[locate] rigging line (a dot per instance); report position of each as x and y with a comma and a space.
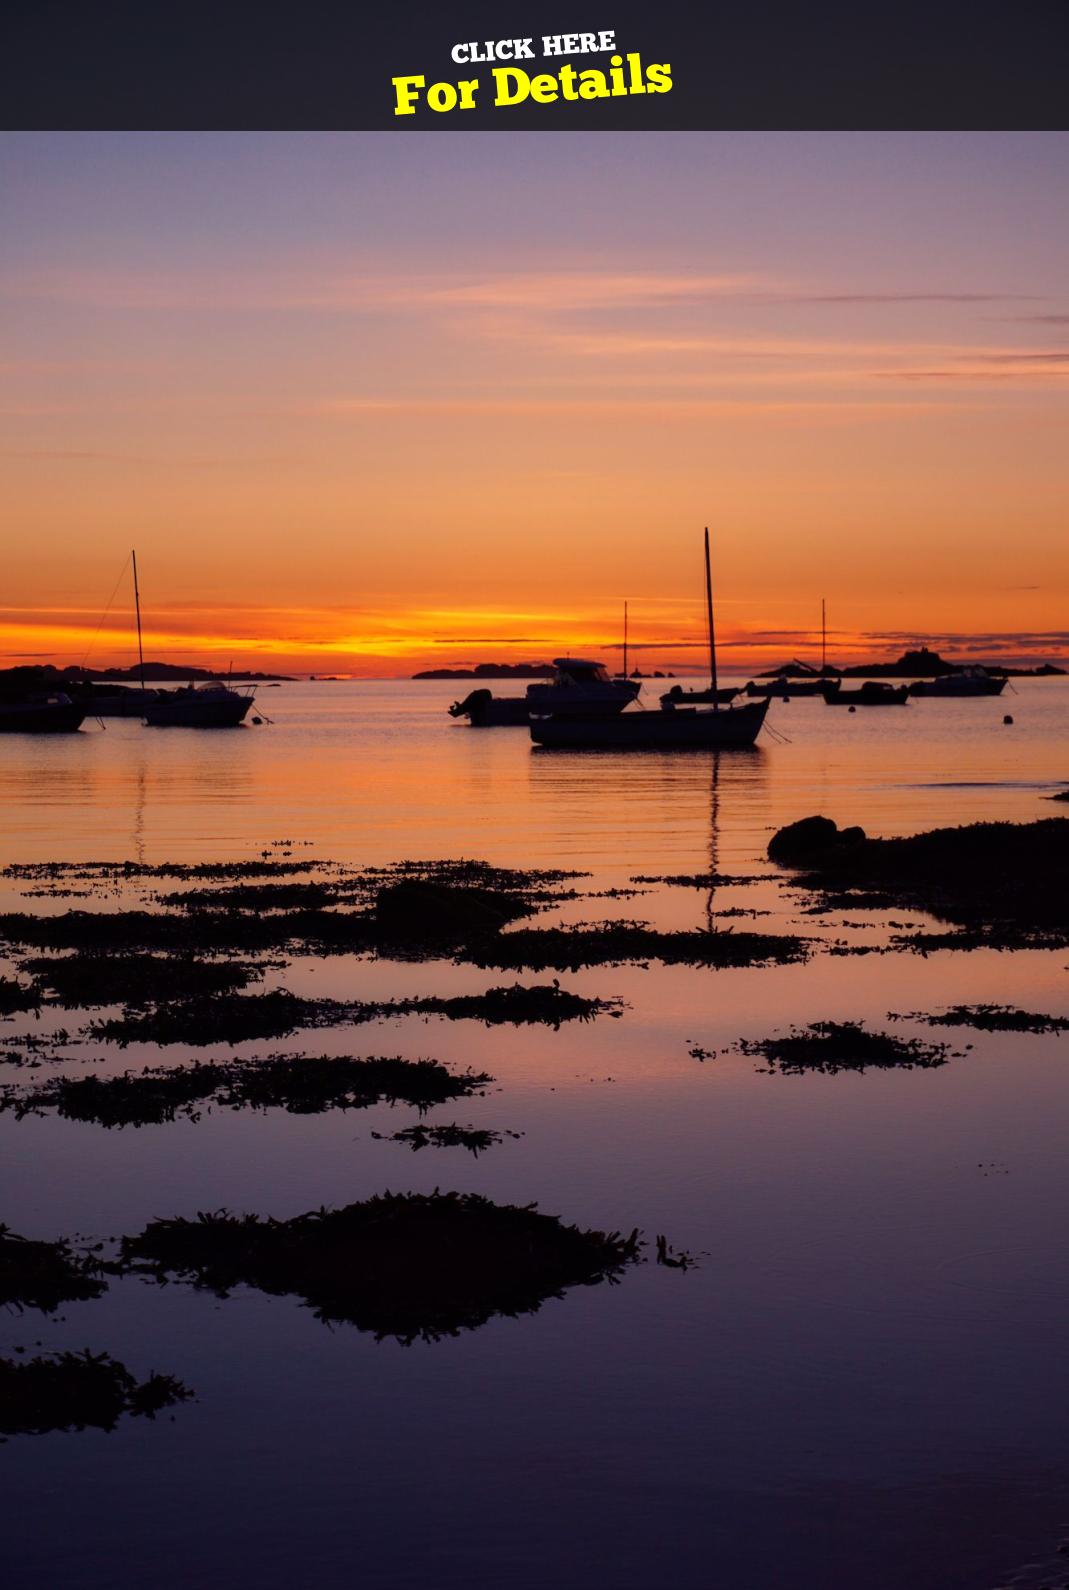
107, 610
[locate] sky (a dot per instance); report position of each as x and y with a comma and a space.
371, 402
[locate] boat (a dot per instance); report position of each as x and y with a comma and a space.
873, 693
206, 706
800, 678
783, 689
669, 727
40, 712
115, 701
583, 688
971, 681
678, 697
484, 710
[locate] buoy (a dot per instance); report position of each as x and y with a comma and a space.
853, 709
257, 720
1007, 719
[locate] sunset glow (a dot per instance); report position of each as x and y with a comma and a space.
367, 404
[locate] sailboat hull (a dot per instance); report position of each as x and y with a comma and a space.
46, 717
187, 712
670, 729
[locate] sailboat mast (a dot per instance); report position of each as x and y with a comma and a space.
823, 638
137, 608
709, 611
625, 640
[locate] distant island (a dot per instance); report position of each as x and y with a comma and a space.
45, 676
491, 671
919, 664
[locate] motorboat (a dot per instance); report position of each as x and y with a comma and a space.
582, 688
207, 706
971, 681
40, 712
873, 693
484, 710
668, 728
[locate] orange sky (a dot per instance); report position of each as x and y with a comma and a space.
369, 403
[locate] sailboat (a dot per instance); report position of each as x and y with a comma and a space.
670, 727
208, 706
799, 678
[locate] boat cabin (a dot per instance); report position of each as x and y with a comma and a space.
579, 671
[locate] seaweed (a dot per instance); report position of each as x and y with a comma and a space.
302, 1085
987, 1018
237, 1018
1010, 880
699, 880
612, 943
475, 1139
407, 1266
43, 1275
518, 1005
77, 1391
290, 896
123, 870
833, 1046
225, 1018
16, 997
102, 979
108, 932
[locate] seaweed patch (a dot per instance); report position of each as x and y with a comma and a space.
43, 1275
833, 1046
614, 943
408, 1266
475, 1139
303, 1086
78, 1391
987, 1018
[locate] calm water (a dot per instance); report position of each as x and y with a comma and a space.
863, 1384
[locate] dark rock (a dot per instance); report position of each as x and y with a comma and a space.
417, 910
809, 838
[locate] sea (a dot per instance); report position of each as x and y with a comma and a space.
861, 1380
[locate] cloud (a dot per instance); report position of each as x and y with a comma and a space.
907, 298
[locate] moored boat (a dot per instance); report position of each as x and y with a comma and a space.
678, 697
785, 688
581, 687
971, 681
668, 728
484, 710
40, 712
873, 693
210, 706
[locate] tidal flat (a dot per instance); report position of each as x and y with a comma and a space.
859, 1286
